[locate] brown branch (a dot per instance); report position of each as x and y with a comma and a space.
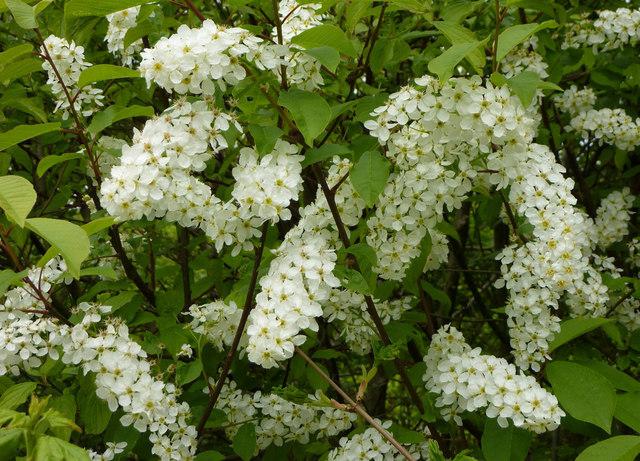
189, 4
248, 305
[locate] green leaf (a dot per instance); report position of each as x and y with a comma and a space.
54, 449
324, 152
325, 55
456, 34
98, 224
573, 328
514, 35
77, 8
525, 84
50, 160
364, 253
457, 10
101, 72
94, 412
583, 393
209, 455
628, 410
16, 395
66, 406
24, 14
325, 35
264, 137
23, 132
504, 444
8, 278
404, 435
369, 176
106, 272
19, 69
17, 198
617, 378
352, 280
244, 442
113, 114
142, 29
10, 441
444, 64
15, 52
188, 372
310, 112
619, 448
71, 241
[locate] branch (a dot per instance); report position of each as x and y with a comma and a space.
248, 305
189, 4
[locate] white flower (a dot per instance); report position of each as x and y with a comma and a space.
119, 24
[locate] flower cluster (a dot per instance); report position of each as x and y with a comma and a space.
217, 321
574, 101
302, 69
300, 277
154, 178
522, 59
612, 30
122, 372
353, 325
110, 453
119, 24
613, 217
196, 60
68, 59
628, 314
608, 126
467, 380
278, 420
634, 253
371, 445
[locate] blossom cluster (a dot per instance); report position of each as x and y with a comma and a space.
110, 452
612, 30
68, 63
371, 445
300, 277
634, 253
195, 60
608, 126
467, 380
217, 321
613, 217
574, 101
302, 69
119, 24
155, 177
123, 375
347, 311
524, 58
278, 420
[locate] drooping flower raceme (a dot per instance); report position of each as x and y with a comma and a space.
608, 126
574, 101
119, 24
467, 380
613, 217
196, 60
612, 30
217, 321
278, 420
69, 62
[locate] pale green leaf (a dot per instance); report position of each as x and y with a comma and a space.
310, 112
16, 395
444, 64
15, 52
98, 224
514, 35
369, 176
456, 34
94, 412
51, 160
245, 442
324, 152
19, 69
617, 378
619, 448
325, 55
10, 441
23, 132
17, 198
101, 72
573, 328
23, 14
71, 240
113, 114
504, 444
54, 449
325, 35
99, 8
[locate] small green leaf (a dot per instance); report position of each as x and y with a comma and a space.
50, 160
573, 328
244, 442
101, 72
23, 132
583, 393
364, 253
628, 410
444, 64
94, 412
16, 395
352, 280
113, 114
264, 137
10, 441
525, 84
324, 152
142, 29
78, 8
325, 55
369, 176
619, 448
310, 112
504, 444
17, 198
514, 35
24, 14
98, 224
54, 449
325, 35
71, 241
188, 372
456, 34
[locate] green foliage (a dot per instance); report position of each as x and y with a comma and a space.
309, 111
17, 198
504, 444
369, 176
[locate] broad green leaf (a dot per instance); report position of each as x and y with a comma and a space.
619, 448
514, 35
504, 444
10, 441
188, 372
113, 114
416, 268
325, 35
525, 84
325, 55
310, 112
264, 137
19, 69
15, 52
404, 435
364, 253
142, 29
573, 328
583, 393
17, 198
628, 410
54, 449
65, 404
24, 14
209, 455
455, 11
71, 240
245, 442
23, 132
76, 8
51, 160
98, 224
101, 72
324, 152
617, 378
444, 64
31, 106
8, 278
94, 412
456, 34
106, 272
352, 280
369, 176
16, 395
